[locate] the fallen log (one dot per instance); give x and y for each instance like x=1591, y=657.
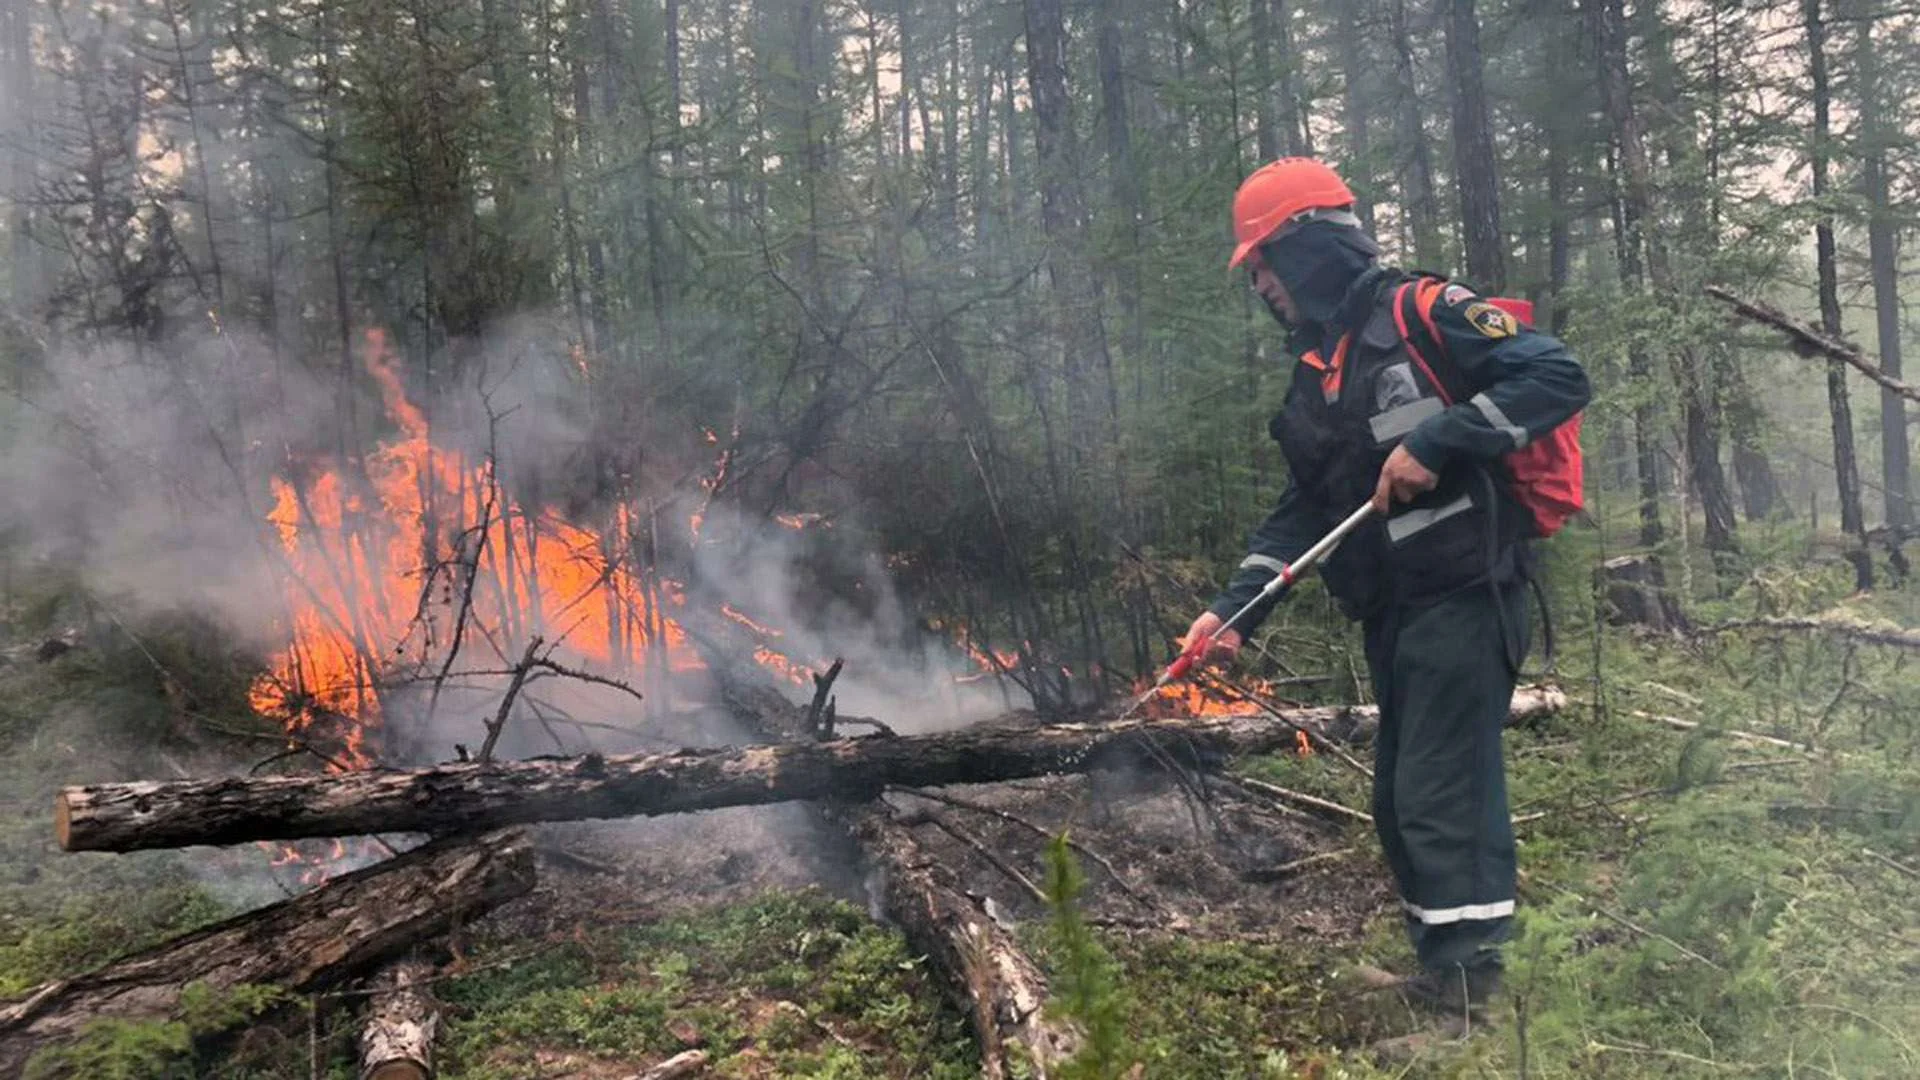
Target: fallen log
x=403, y=1018
x=341, y=929
x=469, y=796
x=1002, y=989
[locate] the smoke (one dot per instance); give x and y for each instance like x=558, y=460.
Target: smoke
x=146, y=471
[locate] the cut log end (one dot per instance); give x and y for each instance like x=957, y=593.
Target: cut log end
x=62, y=821
x=399, y=1070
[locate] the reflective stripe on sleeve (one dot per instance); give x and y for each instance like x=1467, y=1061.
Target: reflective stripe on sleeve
x=1498, y=418
x=1263, y=562
x=1499, y=909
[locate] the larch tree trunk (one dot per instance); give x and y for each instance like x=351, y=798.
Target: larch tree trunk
x=1846, y=463
x=1421, y=199
x=1632, y=191
x=1475, y=166
x=1883, y=260
x=1260, y=28
x=1357, y=92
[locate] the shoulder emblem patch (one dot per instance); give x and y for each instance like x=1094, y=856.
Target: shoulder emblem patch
x=1490, y=320
x=1453, y=294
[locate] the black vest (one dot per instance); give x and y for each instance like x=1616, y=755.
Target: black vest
x=1343, y=415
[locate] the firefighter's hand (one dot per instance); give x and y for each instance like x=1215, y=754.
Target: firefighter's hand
x=1223, y=646
x=1402, y=479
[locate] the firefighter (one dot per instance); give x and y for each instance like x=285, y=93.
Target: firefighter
x=1408, y=391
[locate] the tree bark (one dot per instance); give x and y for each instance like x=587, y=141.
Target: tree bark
x=1417, y=188
x=1475, y=167
x=1004, y=991
x=1846, y=467
x=1356, y=106
x=403, y=1018
x=473, y=795
x=307, y=943
x=1633, y=194
x=1884, y=263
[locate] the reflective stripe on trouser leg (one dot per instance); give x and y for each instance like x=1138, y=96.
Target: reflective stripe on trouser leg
x=1451, y=682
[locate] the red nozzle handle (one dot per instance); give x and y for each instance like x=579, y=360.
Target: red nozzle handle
x=1188, y=657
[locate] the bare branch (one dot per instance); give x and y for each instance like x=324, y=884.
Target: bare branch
x=1808, y=341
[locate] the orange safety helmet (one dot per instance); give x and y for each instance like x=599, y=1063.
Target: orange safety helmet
x=1278, y=192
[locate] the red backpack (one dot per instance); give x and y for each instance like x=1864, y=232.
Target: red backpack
x=1548, y=473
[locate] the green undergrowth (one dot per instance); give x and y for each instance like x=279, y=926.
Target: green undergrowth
x=789, y=984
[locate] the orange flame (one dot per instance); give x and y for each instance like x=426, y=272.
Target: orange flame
x=381, y=562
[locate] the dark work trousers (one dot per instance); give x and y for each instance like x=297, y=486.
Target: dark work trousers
x=1444, y=680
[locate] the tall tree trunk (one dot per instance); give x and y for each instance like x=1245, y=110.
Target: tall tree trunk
x=675, y=92
x=1475, y=168
x=1422, y=203
x=1124, y=188
x=1260, y=29
x=1092, y=399
x=1294, y=133
x=1633, y=185
x=1846, y=467
x=1883, y=258
x=904, y=14
x=1698, y=366
x=1356, y=105
x=16, y=39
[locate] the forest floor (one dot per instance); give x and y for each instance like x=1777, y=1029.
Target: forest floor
x=1692, y=904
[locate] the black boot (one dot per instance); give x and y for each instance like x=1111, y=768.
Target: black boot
x=1458, y=990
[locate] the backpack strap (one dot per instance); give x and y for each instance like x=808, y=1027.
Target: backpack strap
x=1413, y=308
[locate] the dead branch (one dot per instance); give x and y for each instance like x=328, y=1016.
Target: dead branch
x=678, y=1067
x=1838, y=625
x=1731, y=733
x=1808, y=341
x=1624, y=921
x=821, y=709
x=1015, y=819
x=1889, y=861
x=339, y=930
x=1012, y=872
x=1305, y=862
x=1311, y=803
x=499, y=722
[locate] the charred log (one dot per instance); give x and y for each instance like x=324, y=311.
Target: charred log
x=337, y=931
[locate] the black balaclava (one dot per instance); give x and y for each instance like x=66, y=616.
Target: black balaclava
x=1318, y=262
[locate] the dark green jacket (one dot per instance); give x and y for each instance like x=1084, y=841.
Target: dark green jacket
x=1522, y=384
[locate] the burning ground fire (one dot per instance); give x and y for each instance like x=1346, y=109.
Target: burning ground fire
x=382, y=561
